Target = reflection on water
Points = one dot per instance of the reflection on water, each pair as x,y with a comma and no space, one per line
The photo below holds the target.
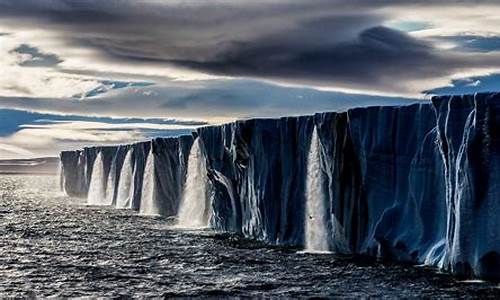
52,246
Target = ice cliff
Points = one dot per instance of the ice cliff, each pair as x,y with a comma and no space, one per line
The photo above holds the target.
170,156
417,183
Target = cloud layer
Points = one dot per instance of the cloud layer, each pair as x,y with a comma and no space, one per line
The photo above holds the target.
214,101
88,67
343,45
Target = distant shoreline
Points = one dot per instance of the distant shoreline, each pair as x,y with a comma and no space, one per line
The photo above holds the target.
29,173
34,166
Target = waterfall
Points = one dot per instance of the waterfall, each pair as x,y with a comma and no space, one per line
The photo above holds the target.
148,199
193,210
317,216
230,191
125,190
61,177
110,186
81,176
97,188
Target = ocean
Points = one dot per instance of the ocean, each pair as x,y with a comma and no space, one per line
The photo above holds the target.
55,246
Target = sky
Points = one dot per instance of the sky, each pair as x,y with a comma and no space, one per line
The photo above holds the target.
77,73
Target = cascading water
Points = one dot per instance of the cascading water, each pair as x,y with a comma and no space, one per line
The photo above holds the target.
110,187
124,199
148,199
230,191
61,177
97,188
83,167
317,216
193,211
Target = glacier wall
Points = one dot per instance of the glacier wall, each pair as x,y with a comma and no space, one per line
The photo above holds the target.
415,183
469,138
170,156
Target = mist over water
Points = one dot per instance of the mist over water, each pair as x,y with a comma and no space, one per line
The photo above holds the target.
125,190
57,246
193,211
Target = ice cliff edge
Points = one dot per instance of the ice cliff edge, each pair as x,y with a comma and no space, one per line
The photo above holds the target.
418,183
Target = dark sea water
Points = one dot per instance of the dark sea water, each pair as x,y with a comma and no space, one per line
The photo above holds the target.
50,245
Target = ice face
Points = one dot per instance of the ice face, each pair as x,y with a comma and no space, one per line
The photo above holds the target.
416,183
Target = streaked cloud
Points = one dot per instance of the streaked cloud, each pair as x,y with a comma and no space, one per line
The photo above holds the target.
214,101
11,151
26,134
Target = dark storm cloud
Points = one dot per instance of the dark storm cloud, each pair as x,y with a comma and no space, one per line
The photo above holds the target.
36,58
376,56
321,43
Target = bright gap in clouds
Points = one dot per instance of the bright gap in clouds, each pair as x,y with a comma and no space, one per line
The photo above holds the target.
27,135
